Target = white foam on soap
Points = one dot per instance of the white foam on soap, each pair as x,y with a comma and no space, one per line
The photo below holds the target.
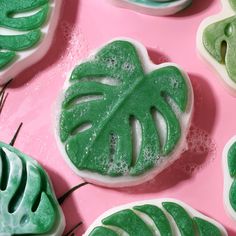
162,161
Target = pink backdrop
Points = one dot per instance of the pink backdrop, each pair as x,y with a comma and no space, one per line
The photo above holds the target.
84,25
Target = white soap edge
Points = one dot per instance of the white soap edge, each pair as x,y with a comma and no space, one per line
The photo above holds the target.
60,226
227,11
158,202
29,57
151,10
126,181
228,180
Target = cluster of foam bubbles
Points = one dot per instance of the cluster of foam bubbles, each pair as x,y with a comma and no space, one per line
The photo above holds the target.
149,156
174,83
76,48
199,141
174,106
119,166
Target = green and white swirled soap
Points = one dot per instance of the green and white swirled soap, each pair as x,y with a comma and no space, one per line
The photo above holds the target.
26,33
122,119
28,205
154,7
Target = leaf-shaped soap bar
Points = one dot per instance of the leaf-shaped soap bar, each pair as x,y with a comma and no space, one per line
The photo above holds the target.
124,119
229,166
27,202
154,7
164,217
216,42
26,32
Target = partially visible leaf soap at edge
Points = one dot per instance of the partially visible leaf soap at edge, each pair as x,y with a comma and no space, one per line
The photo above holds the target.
27,203
155,217
28,25
218,39
231,169
106,147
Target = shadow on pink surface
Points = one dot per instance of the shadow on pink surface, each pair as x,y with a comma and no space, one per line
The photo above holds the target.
195,8
201,148
72,216
231,232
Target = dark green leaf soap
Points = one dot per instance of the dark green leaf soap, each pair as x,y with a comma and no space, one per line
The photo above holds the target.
165,217
123,119
229,161
25,26
28,205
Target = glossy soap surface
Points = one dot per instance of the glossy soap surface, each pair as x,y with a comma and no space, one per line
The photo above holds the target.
165,217
28,205
196,178
25,32
110,115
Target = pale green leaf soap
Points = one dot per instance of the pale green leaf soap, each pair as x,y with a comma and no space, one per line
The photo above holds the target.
216,43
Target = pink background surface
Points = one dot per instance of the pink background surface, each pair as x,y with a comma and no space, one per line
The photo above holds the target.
196,178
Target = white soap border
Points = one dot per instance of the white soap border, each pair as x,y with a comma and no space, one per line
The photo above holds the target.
172,9
152,10
158,202
125,181
29,57
59,227
227,11
228,180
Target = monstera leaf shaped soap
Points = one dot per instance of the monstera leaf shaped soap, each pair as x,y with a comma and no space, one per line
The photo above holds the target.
154,7
27,202
121,118
229,166
217,44
164,217
26,32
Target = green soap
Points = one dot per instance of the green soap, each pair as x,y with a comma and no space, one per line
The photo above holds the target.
28,25
233,4
102,231
145,220
232,195
5,58
159,218
27,205
231,160
106,147
154,3
231,157
215,37
206,228
129,222
181,217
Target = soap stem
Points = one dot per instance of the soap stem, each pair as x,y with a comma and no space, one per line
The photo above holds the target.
15,135
71,232
3,95
68,193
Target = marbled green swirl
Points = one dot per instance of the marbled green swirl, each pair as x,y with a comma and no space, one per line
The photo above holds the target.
27,202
